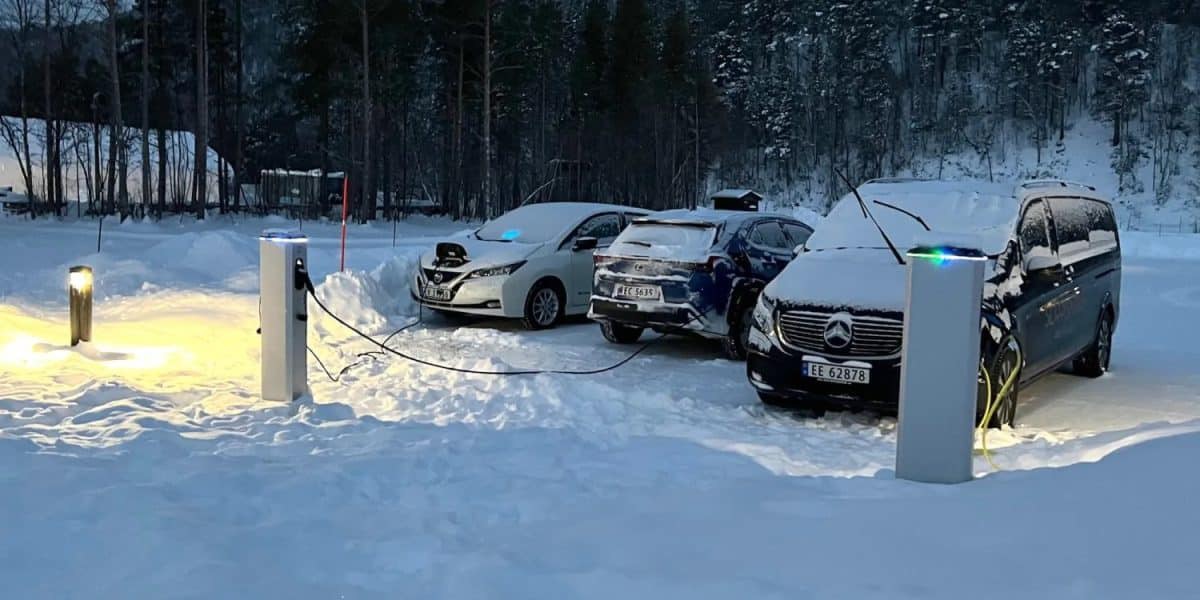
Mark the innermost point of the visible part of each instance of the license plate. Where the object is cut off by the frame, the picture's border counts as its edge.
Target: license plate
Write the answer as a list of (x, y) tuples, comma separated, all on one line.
[(437, 293), (837, 373), (637, 292)]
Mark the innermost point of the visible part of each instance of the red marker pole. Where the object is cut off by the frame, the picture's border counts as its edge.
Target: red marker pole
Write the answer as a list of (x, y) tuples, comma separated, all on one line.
[(345, 209)]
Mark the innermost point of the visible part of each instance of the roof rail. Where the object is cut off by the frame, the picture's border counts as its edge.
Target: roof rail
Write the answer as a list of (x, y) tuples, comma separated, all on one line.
[(1036, 183)]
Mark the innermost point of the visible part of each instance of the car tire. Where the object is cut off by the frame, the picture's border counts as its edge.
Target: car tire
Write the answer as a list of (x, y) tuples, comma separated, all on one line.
[(543, 306), (1095, 360), (620, 333), (739, 333), (1000, 367)]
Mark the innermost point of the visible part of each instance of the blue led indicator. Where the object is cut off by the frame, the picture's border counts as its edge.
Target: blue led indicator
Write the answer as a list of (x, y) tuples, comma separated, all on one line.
[(511, 234)]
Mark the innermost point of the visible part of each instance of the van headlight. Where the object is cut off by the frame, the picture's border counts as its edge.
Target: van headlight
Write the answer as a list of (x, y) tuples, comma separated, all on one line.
[(762, 314), (496, 271)]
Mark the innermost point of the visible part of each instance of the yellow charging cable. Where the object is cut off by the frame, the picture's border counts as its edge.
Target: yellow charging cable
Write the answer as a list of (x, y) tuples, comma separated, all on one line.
[(994, 402)]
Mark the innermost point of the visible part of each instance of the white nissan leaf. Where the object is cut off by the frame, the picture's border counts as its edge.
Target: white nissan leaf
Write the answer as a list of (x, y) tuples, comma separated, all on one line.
[(533, 263)]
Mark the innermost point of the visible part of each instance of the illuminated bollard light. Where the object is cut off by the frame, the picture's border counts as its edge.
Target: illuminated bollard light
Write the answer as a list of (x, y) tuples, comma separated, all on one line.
[(79, 287)]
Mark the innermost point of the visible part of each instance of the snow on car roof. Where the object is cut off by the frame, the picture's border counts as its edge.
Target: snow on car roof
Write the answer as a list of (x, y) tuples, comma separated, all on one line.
[(704, 216), (539, 223), (988, 210)]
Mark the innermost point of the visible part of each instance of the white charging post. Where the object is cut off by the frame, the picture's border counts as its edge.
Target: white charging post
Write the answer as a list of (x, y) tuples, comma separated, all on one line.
[(283, 313), (940, 365)]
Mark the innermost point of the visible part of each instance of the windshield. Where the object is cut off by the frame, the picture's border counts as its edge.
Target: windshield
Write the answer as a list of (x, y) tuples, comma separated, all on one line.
[(988, 210), (660, 240), (531, 224)]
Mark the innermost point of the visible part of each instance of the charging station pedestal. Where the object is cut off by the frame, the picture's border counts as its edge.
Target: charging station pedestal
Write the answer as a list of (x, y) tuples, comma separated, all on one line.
[(283, 313), (935, 432)]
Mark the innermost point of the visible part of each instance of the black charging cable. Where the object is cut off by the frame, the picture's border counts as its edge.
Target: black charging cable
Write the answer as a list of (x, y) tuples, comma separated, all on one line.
[(385, 348), (363, 356)]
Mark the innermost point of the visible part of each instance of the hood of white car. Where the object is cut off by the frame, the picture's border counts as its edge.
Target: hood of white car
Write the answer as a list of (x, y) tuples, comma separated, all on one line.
[(862, 279), (480, 254)]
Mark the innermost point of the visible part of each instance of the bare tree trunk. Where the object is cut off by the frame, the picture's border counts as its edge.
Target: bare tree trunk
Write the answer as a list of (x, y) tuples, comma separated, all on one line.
[(162, 171), (201, 131), (485, 174), (52, 197), (98, 194), (237, 115), (146, 105), (457, 179), (368, 212), (115, 137)]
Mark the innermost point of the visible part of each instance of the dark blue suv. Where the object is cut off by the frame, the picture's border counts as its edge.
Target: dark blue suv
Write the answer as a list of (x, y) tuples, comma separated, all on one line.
[(696, 272)]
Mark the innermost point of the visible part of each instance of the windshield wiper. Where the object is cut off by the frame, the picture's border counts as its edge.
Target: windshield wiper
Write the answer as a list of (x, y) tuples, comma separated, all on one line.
[(639, 243), (901, 210), (867, 213)]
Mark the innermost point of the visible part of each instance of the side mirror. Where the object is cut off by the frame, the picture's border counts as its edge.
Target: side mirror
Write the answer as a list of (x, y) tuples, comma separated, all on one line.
[(585, 243), (1043, 265), (798, 250)]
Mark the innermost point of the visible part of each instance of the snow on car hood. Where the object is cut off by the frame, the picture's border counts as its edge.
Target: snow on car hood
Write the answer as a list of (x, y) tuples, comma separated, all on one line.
[(482, 254), (860, 278)]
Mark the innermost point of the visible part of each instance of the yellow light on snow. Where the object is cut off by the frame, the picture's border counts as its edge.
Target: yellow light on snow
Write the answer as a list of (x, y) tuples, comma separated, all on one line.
[(155, 343)]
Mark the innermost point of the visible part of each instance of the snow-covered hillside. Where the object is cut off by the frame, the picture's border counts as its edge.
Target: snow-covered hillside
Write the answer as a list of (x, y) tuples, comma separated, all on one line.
[(145, 464), (1083, 156)]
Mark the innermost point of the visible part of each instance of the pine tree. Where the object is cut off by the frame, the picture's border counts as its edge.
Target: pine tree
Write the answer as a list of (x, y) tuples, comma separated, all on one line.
[(1122, 87)]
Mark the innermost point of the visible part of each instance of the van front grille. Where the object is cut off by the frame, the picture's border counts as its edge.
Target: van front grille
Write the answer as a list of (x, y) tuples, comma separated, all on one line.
[(871, 336)]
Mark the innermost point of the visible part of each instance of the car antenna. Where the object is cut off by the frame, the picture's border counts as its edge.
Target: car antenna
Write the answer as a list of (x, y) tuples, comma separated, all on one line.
[(866, 211)]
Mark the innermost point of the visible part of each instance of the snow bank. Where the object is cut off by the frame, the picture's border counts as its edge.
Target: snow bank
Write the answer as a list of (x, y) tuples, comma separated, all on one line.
[(353, 296), (215, 255), (369, 301)]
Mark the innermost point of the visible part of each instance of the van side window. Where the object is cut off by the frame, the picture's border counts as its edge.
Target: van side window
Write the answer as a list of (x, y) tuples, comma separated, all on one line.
[(1071, 225), (1083, 225), (1035, 238), (1103, 225)]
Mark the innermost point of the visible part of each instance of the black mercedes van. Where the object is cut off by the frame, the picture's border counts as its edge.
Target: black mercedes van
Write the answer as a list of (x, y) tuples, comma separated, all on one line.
[(1051, 295)]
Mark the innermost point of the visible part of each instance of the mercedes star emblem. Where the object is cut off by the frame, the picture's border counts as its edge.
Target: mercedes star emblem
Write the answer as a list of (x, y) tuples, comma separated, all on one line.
[(839, 330)]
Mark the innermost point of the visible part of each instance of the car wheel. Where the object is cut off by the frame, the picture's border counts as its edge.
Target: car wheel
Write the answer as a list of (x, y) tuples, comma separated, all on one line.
[(543, 306), (1003, 365), (739, 334), (1094, 362), (620, 333)]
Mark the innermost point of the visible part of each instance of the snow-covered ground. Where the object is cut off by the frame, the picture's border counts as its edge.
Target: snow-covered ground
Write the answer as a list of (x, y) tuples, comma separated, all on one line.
[(145, 465)]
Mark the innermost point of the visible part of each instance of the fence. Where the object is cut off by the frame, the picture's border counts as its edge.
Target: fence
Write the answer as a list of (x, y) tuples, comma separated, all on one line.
[(1181, 225)]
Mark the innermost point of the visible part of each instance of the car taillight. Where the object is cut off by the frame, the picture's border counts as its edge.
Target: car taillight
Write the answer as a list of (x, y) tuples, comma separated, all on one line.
[(599, 260)]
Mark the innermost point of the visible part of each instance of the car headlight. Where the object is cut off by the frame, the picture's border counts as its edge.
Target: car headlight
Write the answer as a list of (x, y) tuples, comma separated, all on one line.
[(763, 312), (496, 271)]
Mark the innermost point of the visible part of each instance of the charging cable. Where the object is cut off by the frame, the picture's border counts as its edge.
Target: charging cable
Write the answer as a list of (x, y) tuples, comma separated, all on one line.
[(385, 348), (994, 401)]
